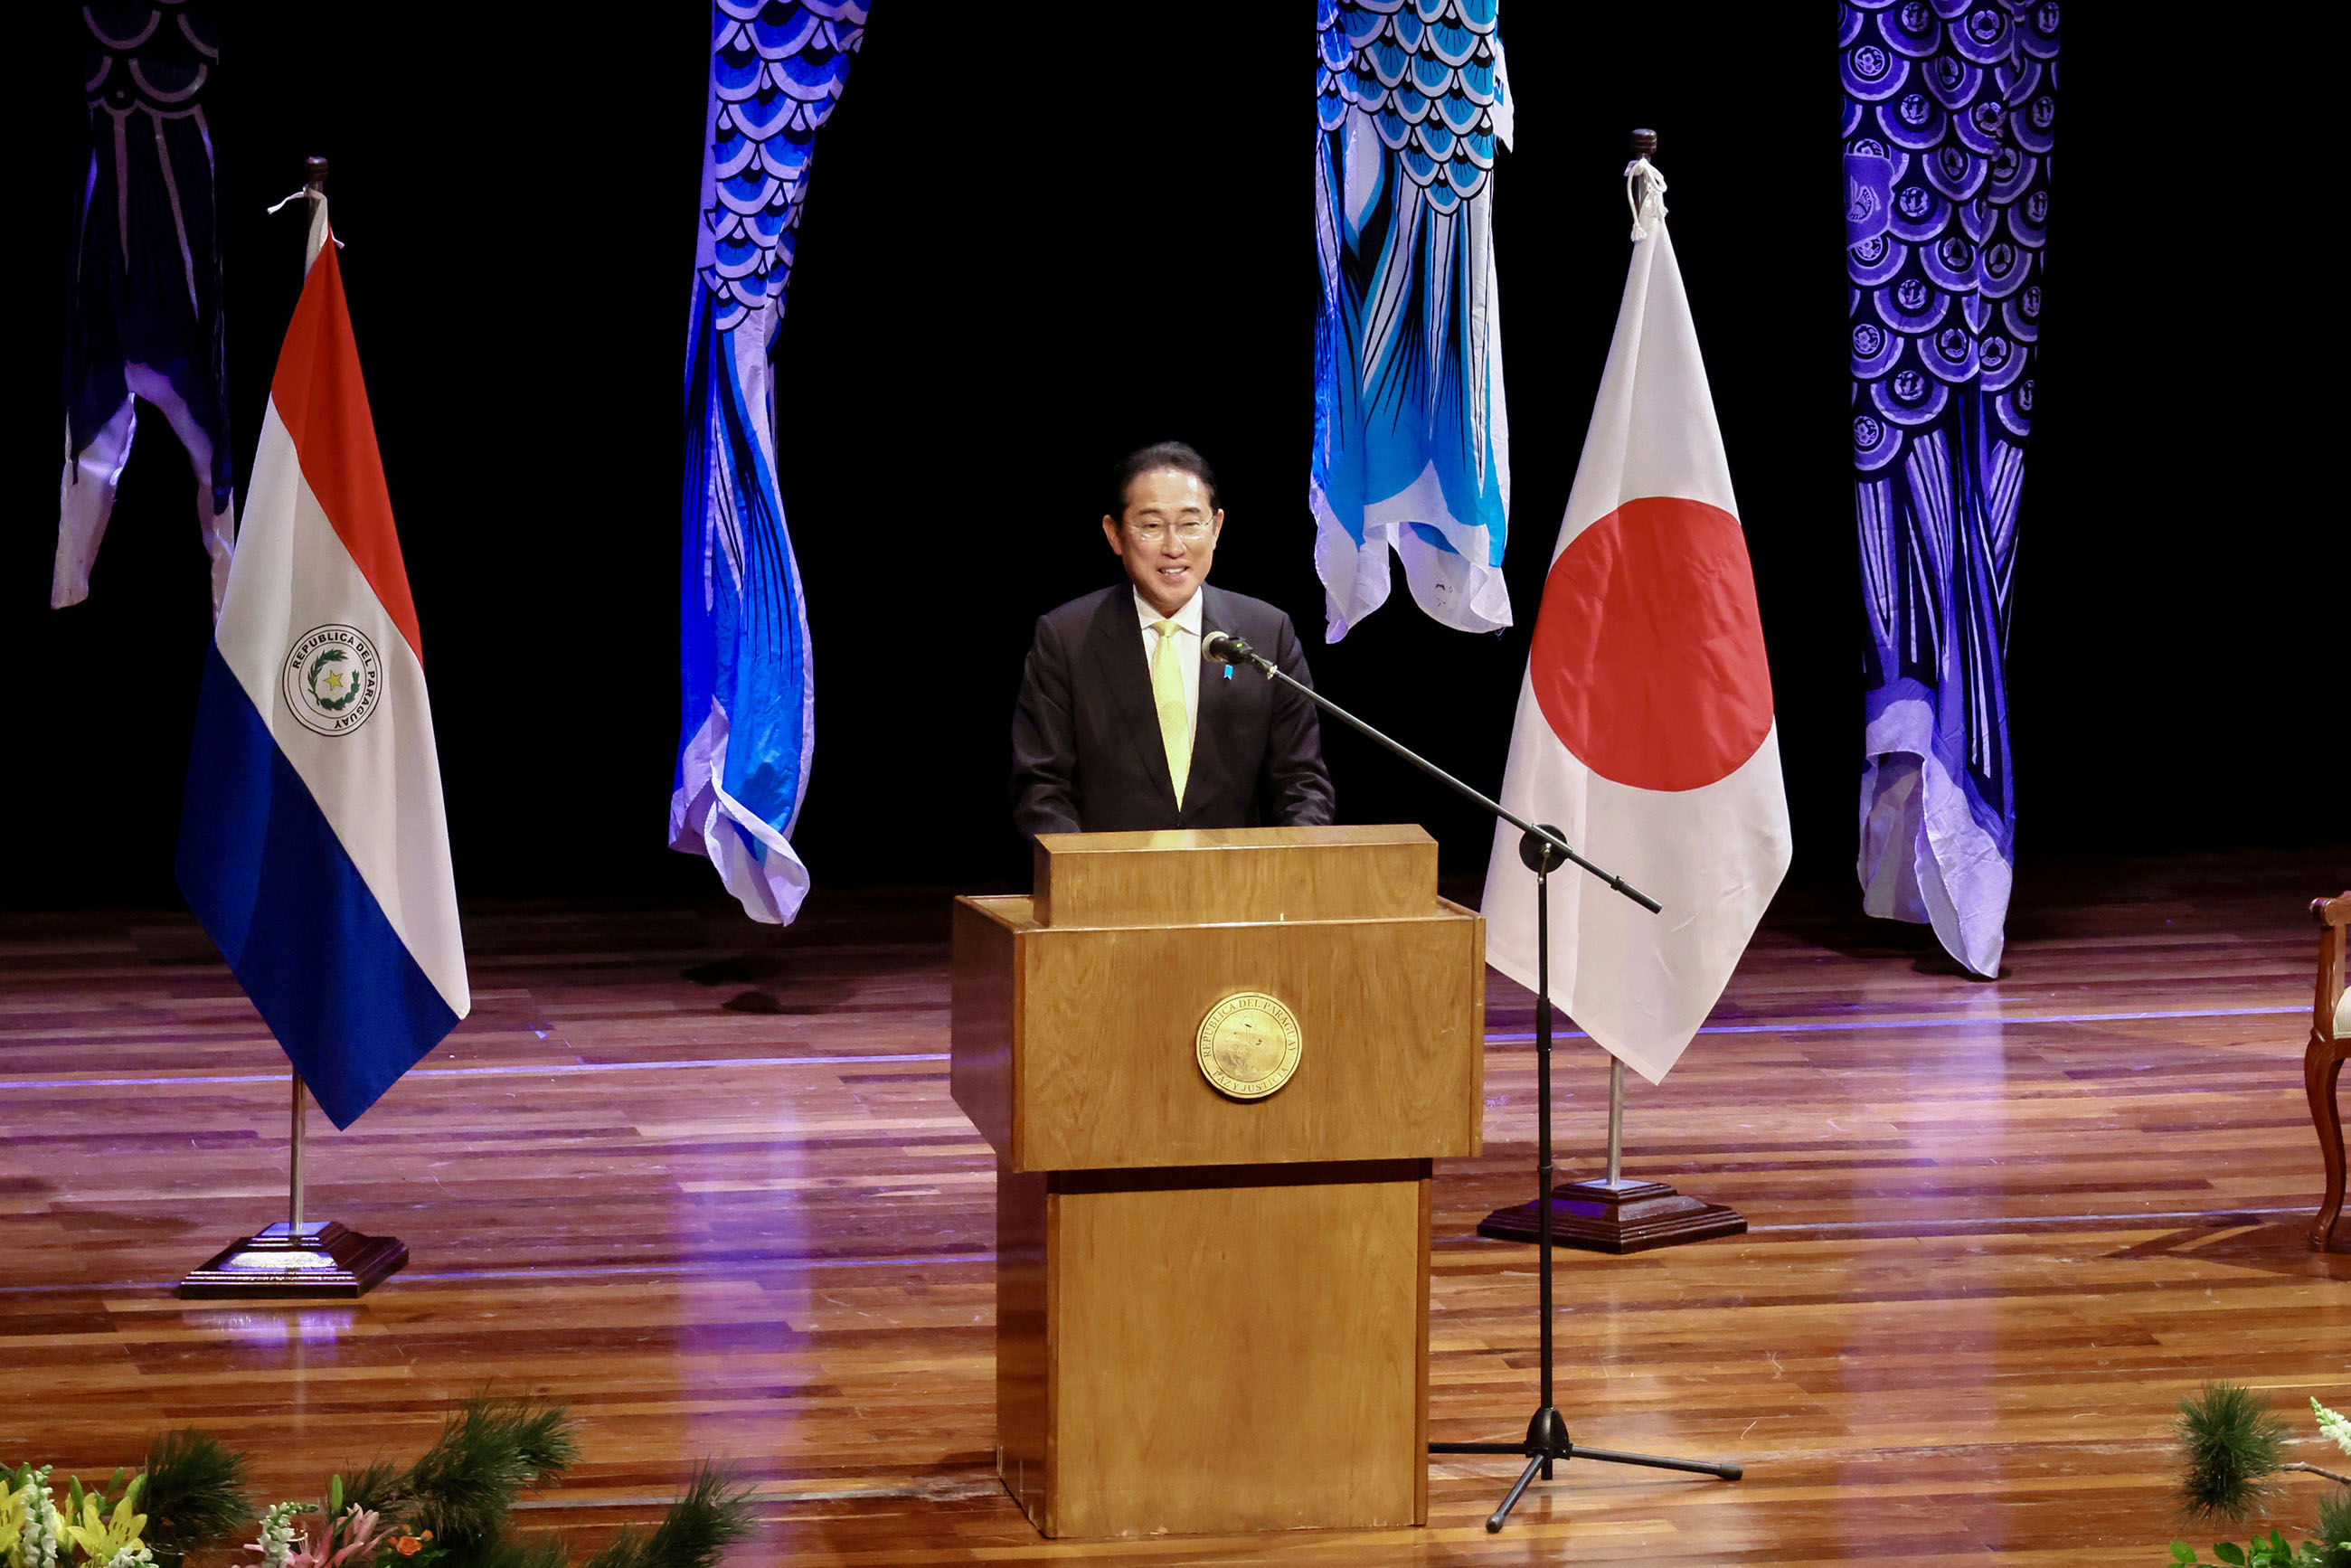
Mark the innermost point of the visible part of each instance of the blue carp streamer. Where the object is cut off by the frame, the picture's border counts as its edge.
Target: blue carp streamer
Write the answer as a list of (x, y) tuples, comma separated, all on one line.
[(777, 71), (1950, 122), (1412, 445)]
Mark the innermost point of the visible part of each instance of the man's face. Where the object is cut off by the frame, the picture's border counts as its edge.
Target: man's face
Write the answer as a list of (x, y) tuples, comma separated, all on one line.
[(1168, 537)]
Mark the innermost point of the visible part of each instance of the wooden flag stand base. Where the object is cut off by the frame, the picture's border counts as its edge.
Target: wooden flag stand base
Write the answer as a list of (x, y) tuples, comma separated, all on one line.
[(1617, 1215), (320, 1259)]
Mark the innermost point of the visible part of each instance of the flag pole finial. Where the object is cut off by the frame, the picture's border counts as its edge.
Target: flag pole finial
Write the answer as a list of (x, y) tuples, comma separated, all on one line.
[(1645, 188), (314, 184)]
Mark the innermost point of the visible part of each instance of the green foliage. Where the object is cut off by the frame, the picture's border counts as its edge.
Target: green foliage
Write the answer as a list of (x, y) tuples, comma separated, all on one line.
[(488, 1452), (195, 1494), (376, 1488), (543, 1437), (2334, 1527), (2259, 1552), (461, 1490), (2232, 1444), (714, 1514), (546, 1550)]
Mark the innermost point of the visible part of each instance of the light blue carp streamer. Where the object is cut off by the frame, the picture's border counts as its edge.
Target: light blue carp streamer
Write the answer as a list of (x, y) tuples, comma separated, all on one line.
[(746, 734), (1412, 447)]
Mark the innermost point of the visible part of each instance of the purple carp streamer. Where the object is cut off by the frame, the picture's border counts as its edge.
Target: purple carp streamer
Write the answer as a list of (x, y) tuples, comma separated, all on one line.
[(1950, 111), (143, 319)]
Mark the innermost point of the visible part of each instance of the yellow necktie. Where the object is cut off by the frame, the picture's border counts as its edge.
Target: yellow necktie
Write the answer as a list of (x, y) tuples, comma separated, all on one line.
[(1167, 696)]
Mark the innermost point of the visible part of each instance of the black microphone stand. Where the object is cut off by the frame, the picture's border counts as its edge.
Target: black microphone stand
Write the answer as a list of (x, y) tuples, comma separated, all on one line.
[(1547, 1442)]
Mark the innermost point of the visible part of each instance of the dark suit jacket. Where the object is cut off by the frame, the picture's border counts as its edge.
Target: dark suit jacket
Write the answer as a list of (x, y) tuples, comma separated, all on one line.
[(1086, 752)]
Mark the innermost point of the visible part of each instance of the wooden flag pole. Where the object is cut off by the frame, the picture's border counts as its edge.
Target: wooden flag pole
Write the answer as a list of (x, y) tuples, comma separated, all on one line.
[(1615, 1127), (294, 1163)]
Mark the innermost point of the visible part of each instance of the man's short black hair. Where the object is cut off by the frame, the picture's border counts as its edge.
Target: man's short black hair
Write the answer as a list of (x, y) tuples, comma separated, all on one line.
[(1150, 459)]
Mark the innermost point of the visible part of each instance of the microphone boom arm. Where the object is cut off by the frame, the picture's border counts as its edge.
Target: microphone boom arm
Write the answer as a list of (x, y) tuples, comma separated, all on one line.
[(1223, 647)]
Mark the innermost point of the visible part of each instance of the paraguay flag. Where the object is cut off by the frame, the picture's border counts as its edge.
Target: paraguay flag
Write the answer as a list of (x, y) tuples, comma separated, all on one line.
[(1645, 728), (312, 841)]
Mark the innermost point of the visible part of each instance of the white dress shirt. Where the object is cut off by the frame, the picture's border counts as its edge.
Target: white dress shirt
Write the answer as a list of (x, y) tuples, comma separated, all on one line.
[(1188, 649)]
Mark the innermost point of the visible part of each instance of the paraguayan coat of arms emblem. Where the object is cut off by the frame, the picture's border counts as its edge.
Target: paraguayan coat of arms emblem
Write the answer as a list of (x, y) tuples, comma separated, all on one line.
[(332, 679)]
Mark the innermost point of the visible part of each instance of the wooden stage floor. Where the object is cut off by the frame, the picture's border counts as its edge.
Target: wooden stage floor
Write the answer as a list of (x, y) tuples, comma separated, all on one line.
[(703, 1181)]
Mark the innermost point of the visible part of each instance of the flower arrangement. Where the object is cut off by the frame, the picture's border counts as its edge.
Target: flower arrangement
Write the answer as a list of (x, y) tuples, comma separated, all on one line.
[(2231, 1444), (190, 1488), (113, 1539), (358, 1528), (450, 1507)]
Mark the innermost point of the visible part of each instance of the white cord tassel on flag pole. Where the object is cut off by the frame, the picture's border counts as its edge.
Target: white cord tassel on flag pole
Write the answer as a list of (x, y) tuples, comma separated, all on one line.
[(1645, 192), (316, 191), (1645, 188)]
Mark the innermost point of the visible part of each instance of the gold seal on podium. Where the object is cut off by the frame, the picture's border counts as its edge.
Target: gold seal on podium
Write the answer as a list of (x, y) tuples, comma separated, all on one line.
[(1248, 1045)]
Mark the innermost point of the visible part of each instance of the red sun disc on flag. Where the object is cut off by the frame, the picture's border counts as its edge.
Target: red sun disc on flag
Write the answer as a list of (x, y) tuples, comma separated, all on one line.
[(1648, 651)]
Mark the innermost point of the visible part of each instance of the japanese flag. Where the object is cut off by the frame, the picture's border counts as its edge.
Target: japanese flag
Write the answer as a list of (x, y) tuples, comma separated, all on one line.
[(1645, 728)]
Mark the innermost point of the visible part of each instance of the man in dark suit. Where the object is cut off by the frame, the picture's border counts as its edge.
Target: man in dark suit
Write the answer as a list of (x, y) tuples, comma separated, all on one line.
[(1121, 725)]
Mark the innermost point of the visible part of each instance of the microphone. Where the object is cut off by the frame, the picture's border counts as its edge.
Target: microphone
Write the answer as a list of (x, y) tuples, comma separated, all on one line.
[(1224, 648)]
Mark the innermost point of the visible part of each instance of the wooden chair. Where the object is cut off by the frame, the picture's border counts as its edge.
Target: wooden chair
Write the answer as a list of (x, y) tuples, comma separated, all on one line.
[(2322, 1064)]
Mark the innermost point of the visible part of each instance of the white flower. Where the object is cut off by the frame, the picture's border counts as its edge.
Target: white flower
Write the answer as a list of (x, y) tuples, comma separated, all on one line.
[(37, 1542), (2333, 1425), (276, 1542)]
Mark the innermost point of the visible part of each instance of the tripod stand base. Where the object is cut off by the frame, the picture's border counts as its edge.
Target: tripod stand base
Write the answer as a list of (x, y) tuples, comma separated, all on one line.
[(1547, 1445), (1618, 1217)]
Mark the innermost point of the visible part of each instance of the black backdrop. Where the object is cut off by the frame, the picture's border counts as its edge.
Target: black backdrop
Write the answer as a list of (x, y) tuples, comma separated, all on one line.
[(1034, 242)]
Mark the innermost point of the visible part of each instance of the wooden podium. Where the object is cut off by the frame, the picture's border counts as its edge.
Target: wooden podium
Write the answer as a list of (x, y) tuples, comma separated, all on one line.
[(1212, 1313)]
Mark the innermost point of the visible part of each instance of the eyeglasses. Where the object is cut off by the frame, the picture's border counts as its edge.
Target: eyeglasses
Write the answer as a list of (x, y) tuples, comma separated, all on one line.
[(1154, 533)]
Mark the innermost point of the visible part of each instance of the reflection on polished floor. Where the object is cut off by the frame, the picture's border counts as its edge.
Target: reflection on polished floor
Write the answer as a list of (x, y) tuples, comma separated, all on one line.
[(703, 1182)]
